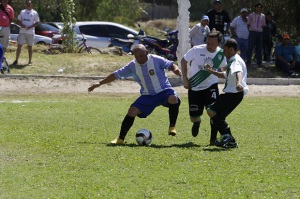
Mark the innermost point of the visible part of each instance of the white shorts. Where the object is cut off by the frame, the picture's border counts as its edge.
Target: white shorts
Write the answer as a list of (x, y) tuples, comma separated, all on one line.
[(4, 39), (24, 38)]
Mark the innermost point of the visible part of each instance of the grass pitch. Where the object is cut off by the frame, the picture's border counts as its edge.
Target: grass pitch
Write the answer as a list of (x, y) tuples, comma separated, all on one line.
[(57, 146)]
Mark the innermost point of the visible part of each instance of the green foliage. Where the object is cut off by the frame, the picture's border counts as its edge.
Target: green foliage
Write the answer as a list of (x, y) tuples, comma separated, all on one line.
[(56, 146), (68, 33)]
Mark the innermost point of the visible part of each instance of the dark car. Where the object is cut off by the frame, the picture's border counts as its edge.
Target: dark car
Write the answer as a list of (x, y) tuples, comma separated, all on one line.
[(58, 25), (46, 30)]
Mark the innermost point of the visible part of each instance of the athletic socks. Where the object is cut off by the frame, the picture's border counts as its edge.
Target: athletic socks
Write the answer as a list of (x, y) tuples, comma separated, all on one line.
[(126, 125), (173, 114)]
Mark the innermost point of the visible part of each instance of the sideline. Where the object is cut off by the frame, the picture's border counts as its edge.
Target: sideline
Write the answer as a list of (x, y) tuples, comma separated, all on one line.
[(175, 81)]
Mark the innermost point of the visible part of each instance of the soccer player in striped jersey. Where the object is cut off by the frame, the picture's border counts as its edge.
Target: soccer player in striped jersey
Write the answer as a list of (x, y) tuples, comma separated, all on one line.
[(148, 71), (202, 86)]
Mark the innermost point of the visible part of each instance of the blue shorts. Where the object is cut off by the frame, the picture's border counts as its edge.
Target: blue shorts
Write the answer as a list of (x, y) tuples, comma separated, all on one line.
[(147, 103)]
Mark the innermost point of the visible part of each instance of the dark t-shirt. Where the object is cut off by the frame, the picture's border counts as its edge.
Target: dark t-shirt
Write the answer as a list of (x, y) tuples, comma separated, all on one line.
[(217, 19)]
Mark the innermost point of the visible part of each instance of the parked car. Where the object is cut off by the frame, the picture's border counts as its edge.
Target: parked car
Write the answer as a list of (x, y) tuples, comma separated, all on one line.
[(46, 30), (38, 39), (99, 33), (58, 25)]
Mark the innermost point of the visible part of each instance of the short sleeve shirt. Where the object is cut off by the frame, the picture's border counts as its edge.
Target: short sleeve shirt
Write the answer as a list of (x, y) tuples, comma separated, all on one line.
[(150, 76), (4, 19), (28, 18), (287, 52)]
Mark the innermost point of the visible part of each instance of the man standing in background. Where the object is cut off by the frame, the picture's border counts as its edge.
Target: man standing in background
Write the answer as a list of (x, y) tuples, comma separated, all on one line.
[(239, 31), (218, 17), (28, 19), (6, 17), (199, 32), (270, 31)]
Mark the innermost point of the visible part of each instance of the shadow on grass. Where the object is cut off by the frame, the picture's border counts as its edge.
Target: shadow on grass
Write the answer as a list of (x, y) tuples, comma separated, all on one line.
[(208, 148), (18, 66)]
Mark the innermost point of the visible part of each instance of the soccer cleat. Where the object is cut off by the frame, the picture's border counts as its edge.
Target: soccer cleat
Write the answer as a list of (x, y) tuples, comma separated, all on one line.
[(195, 129), (230, 145), (224, 141), (118, 141), (172, 131)]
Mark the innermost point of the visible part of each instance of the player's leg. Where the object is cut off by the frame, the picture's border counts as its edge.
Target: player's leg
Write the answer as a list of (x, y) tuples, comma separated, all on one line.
[(173, 104), (196, 106), (211, 96)]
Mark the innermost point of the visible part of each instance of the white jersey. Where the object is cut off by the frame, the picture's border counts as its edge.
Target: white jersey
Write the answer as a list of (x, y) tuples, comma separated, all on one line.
[(235, 64), (28, 18), (198, 34), (198, 57)]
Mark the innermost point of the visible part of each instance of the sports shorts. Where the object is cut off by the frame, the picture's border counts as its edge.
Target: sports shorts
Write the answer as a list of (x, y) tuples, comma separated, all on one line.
[(202, 98), (226, 103), (147, 103), (24, 38)]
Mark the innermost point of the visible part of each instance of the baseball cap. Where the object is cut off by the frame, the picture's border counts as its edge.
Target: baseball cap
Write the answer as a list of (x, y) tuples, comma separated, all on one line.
[(205, 17), (285, 36), (244, 10), (218, 1)]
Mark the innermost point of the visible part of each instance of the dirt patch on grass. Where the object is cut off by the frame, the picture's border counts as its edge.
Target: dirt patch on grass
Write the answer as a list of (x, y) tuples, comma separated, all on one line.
[(36, 85)]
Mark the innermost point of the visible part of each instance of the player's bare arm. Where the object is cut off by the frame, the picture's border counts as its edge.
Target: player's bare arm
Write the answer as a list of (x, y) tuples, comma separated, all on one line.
[(110, 78), (216, 73), (184, 70), (176, 70), (239, 86)]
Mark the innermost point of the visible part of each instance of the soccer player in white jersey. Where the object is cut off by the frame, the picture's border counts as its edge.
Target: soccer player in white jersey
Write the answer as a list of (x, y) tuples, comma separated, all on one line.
[(202, 86), (149, 72), (235, 89)]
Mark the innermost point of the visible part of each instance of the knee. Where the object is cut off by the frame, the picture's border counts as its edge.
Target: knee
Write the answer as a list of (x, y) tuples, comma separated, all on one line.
[(173, 99), (133, 111), (211, 113)]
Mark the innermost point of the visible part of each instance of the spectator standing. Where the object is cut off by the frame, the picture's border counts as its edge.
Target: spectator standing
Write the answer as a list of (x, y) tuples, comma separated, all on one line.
[(235, 88), (218, 17), (28, 19), (256, 22), (199, 32), (202, 87), (239, 31), (285, 54), (6, 17), (270, 31), (149, 72)]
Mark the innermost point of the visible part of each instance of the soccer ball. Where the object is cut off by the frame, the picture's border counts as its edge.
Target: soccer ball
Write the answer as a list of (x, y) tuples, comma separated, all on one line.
[(143, 137)]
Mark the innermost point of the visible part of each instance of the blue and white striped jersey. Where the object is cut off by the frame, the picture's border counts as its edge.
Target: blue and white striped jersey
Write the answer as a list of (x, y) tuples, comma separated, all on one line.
[(151, 76)]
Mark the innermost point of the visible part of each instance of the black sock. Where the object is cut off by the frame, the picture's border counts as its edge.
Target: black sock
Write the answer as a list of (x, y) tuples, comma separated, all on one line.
[(220, 124), (126, 125), (213, 132), (173, 114)]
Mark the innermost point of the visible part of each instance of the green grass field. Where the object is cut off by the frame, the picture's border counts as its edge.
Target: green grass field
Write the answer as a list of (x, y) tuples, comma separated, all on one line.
[(57, 146)]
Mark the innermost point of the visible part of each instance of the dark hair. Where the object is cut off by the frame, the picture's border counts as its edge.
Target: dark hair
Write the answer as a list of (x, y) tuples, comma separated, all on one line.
[(231, 43), (215, 34), (258, 4)]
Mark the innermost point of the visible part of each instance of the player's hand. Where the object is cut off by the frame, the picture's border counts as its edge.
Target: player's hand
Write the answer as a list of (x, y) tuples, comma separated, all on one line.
[(207, 67), (91, 88), (186, 84), (177, 72), (239, 88)]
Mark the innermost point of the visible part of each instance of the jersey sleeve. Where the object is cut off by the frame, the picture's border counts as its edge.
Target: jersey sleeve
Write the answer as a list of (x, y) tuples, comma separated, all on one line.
[(189, 56), (124, 72)]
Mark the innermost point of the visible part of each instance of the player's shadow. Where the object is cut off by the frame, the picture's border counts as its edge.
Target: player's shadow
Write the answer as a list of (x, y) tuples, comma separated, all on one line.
[(17, 66), (158, 146)]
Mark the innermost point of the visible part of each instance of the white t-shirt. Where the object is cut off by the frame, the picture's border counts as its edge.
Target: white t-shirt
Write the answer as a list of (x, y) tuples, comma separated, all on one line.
[(235, 64), (28, 18), (198, 34), (199, 56)]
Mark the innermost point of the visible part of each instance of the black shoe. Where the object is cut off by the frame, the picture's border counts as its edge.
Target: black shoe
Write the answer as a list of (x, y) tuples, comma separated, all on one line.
[(195, 129), (224, 141), (2, 71), (15, 62)]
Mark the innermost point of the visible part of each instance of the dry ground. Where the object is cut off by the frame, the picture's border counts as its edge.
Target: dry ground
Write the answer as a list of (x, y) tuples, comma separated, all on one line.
[(36, 85)]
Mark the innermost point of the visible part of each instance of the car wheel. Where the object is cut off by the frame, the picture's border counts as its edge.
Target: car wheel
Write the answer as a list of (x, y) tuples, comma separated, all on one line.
[(41, 43)]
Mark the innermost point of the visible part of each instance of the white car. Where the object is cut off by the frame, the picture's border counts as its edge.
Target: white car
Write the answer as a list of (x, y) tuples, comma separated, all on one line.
[(99, 33), (38, 39)]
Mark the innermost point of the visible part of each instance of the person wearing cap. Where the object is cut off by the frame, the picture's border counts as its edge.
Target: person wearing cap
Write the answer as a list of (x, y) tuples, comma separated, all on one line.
[(285, 54), (256, 22), (199, 32), (218, 17), (270, 31), (239, 31)]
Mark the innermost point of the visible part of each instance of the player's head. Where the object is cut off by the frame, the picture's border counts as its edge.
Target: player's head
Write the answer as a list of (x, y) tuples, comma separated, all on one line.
[(140, 53), (230, 47), (213, 40)]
